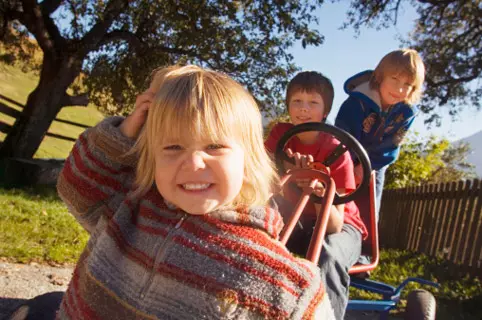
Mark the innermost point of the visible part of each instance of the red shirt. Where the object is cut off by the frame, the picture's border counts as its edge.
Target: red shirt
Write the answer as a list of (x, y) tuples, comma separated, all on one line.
[(341, 170)]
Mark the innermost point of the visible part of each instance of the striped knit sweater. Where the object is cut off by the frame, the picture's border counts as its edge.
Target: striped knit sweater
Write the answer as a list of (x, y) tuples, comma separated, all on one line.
[(146, 260)]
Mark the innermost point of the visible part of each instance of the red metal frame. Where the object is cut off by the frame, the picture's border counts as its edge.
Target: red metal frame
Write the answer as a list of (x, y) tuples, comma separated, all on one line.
[(366, 205), (368, 213)]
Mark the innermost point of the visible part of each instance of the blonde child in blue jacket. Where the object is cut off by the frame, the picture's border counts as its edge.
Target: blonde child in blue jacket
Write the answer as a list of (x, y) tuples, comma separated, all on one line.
[(379, 110)]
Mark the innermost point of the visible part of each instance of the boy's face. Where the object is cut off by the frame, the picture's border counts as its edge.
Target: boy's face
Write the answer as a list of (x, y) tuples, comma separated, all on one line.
[(199, 176), (306, 107), (395, 89)]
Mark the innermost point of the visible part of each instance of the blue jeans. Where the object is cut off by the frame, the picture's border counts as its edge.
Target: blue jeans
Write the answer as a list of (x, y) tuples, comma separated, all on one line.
[(379, 182), (340, 252)]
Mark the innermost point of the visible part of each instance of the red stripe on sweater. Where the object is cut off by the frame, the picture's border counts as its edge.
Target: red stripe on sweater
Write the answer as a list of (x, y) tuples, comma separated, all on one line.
[(154, 197), (211, 285), (151, 214), (84, 188), (99, 178), (245, 250), (243, 232), (97, 162), (238, 265), (152, 230), (276, 222), (85, 311), (252, 235), (66, 303), (134, 254), (310, 311)]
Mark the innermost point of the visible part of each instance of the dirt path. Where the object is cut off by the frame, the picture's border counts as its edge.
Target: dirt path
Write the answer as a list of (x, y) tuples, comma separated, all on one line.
[(24, 281)]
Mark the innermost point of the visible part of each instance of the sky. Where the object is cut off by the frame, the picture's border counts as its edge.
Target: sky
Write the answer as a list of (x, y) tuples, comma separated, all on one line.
[(343, 55)]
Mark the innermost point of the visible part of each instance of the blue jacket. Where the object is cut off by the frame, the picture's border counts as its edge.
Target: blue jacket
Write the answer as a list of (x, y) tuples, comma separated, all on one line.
[(380, 132)]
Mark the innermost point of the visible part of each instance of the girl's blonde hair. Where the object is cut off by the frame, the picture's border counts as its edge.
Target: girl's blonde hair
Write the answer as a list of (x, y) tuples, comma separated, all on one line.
[(405, 62), (193, 102)]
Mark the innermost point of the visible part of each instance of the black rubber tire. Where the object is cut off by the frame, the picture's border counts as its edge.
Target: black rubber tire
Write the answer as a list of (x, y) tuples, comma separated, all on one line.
[(421, 305)]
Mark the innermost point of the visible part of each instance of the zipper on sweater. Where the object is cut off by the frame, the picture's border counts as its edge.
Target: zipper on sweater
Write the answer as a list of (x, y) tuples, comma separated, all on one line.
[(160, 256)]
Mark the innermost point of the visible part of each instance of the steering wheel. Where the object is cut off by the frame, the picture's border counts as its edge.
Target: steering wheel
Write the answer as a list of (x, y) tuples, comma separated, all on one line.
[(347, 142)]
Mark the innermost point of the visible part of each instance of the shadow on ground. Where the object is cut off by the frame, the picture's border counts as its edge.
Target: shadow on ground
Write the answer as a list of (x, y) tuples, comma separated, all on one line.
[(7, 305)]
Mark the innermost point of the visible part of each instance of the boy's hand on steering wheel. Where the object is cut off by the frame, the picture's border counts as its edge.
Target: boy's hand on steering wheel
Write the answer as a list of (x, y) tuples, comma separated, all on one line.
[(304, 161), (132, 125)]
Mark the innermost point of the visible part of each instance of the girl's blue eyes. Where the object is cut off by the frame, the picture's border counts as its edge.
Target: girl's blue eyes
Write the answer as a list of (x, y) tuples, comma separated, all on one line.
[(173, 147), (215, 146)]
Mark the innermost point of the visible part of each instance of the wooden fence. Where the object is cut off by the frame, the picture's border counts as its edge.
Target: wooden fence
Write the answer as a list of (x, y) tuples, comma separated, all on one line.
[(441, 220), (14, 113)]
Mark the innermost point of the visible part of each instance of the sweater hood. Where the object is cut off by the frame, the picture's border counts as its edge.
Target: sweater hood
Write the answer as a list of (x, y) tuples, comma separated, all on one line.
[(359, 86)]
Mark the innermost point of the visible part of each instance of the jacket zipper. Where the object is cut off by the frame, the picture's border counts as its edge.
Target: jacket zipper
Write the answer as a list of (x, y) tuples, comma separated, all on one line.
[(159, 257)]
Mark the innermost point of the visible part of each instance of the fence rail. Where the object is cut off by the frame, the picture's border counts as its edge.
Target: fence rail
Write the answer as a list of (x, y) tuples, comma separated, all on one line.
[(441, 220), (14, 113)]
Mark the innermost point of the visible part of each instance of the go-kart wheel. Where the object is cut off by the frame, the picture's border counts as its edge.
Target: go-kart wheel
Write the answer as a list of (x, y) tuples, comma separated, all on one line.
[(347, 143), (421, 305)]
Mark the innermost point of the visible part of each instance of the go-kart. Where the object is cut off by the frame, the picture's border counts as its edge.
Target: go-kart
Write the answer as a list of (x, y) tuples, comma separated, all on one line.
[(420, 303)]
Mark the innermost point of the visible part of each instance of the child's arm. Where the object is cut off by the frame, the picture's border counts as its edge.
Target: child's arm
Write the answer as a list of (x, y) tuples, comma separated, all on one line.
[(350, 117), (335, 221), (99, 168), (95, 171), (390, 149)]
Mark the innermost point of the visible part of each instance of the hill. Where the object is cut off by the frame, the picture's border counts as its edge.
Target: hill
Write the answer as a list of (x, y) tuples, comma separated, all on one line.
[(17, 85), (475, 156)]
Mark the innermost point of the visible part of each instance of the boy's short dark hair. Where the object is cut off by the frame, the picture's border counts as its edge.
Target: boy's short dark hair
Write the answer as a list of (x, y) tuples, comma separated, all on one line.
[(312, 81)]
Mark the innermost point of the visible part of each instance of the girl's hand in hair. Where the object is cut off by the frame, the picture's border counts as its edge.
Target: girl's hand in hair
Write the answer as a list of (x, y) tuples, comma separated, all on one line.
[(132, 125)]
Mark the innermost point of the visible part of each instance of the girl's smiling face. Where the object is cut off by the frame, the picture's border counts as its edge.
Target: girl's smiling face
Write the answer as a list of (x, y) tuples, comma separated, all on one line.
[(199, 176)]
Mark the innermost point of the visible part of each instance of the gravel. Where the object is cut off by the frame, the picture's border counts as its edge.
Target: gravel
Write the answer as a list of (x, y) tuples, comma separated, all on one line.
[(19, 282)]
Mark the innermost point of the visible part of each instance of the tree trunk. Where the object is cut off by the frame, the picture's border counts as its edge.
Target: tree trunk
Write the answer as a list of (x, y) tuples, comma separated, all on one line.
[(42, 107)]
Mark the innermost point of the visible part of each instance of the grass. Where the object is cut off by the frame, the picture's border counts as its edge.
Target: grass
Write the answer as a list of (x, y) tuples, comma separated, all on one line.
[(459, 295), (35, 225), (17, 85)]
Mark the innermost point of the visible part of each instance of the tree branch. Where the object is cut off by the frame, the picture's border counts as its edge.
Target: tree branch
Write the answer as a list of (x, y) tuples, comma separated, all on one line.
[(42, 27), (133, 40), (437, 2), (397, 7), (128, 36), (456, 80), (79, 100), (92, 38), (49, 6)]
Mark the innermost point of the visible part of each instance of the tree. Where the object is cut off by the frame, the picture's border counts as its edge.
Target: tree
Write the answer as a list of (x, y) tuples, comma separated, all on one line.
[(431, 161), (448, 34), (116, 43)]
